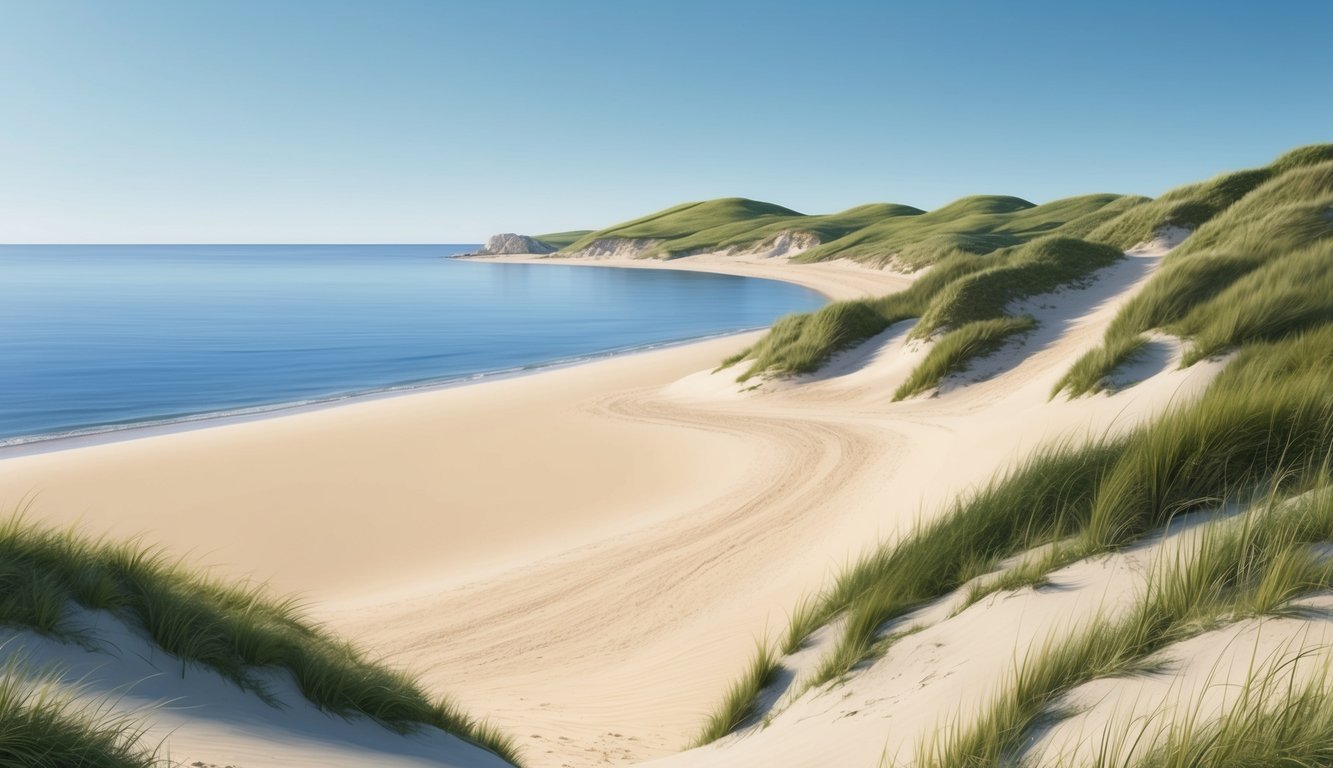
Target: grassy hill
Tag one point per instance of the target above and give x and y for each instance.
(559, 240)
(877, 233)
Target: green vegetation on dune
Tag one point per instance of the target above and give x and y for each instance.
(1266, 420)
(1257, 270)
(1184, 207)
(1277, 720)
(1276, 300)
(1038, 267)
(233, 630)
(43, 727)
(953, 352)
(800, 343)
(740, 703)
(1240, 568)
(967, 294)
(997, 249)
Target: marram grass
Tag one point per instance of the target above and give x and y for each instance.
(44, 724)
(739, 704)
(1267, 418)
(1258, 270)
(1253, 566)
(234, 630)
(952, 353)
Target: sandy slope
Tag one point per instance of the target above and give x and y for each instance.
(586, 554)
(195, 713)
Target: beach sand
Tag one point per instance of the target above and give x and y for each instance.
(586, 555)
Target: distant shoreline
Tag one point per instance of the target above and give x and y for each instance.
(30, 445)
(92, 435)
(811, 277)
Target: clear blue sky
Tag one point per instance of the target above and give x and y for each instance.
(395, 121)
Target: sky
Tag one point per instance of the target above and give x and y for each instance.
(437, 121)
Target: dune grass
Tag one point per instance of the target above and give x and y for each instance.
(1038, 267)
(801, 343)
(235, 630)
(740, 702)
(43, 725)
(1241, 568)
(1276, 720)
(961, 290)
(1185, 207)
(1284, 296)
(1032, 573)
(1046, 499)
(1237, 259)
(1270, 411)
(1091, 372)
(952, 353)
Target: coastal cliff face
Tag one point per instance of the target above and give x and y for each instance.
(509, 243)
(784, 245)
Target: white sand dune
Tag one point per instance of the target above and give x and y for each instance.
(193, 711)
(587, 554)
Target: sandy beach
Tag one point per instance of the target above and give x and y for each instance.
(587, 554)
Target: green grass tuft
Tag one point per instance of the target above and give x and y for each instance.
(740, 703)
(43, 725)
(1241, 568)
(233, 630)
(1276, 720)
(956, 349)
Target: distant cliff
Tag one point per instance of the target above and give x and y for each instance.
(510, 243)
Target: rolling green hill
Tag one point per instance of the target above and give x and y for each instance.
(1243, 220)
(559, 240)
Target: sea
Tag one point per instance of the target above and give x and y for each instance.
(99, 338)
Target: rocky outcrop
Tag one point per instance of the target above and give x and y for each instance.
(509, 243)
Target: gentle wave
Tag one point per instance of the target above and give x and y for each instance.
(210, 418)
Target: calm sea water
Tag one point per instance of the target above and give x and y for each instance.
(95, 337)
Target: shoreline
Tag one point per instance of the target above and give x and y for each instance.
(34, 445)
(83, 437)
(836, 280)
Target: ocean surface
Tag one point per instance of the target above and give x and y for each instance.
(98, 337)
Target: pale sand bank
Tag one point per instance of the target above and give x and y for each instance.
(837, 280)
(586, 554)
